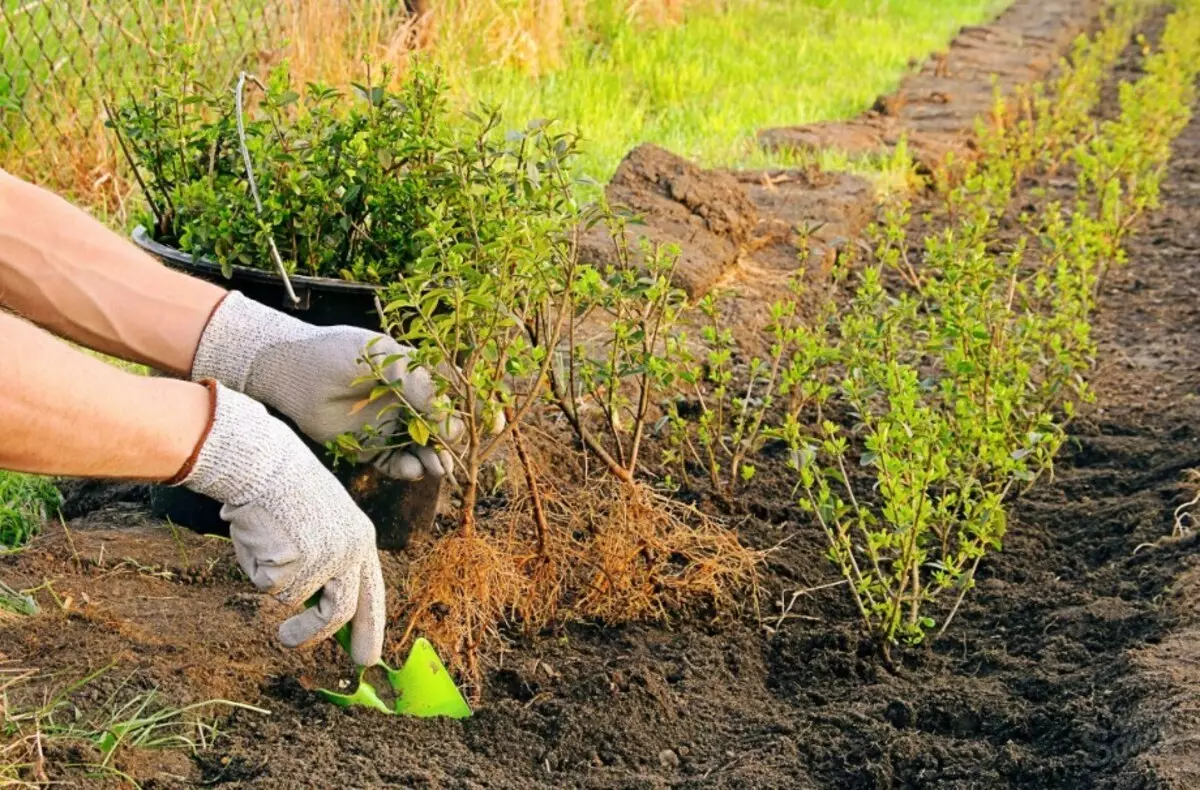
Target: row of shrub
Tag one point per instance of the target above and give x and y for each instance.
(962, 382)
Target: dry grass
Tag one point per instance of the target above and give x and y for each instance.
(329, 42)
(610, 553)
(111, 718)
(76, 158)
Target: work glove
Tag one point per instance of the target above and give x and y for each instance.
(295, 530)
(308, 373)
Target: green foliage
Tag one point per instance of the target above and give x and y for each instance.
(629, 365)
(910, 416)
(960, 386)
(345, 180)
(482, 300)
(734, 398)
(25, 502)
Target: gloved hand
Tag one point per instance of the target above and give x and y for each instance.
(308, 373)
(294, 528)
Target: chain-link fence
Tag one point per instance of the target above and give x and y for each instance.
(61, 59)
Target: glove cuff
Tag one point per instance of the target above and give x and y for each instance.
(237, 331)
(243, 450)
(186, 470)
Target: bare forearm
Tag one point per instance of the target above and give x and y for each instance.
(62, 269)
(65, 413)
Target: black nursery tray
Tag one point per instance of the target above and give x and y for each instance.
(324, 301)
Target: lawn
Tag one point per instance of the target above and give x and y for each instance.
(703, 87)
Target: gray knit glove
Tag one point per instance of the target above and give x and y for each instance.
(294, 528)
(308, 372)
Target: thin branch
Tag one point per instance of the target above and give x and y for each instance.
(241, 130)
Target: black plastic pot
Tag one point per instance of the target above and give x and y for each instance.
(323, 300)
(397, 508)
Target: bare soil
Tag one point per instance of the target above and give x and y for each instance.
(1073, 666)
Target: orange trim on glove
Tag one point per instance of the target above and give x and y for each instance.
(185, 471)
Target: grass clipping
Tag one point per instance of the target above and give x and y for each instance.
(604, 551)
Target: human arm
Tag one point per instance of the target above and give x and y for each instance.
(63, 270)
(294, 528)
(63, 412)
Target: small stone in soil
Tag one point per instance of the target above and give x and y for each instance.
(668, 758)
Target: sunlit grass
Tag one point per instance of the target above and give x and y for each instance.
(25, 502)
(124, 720)
(702, 88)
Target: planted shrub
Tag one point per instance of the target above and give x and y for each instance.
(961, 384)
(731, 402)
(497, 302)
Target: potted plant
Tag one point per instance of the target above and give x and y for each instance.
(310, 202)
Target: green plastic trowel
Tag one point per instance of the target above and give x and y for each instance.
(422, 686)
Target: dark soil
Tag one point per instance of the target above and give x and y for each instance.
(705, 213)
(1071, 667)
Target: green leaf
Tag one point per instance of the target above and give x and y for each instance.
(419, 431)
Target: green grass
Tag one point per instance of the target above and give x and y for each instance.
(124, 720)
(56, 43)
(704, 87)
(701, 88)
(25, 502)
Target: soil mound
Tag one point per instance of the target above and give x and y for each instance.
(706, 213)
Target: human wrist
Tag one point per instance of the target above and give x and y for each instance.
(190, 442)
(242, 451)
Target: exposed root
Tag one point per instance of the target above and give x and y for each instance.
(651, 556)
(460, 591)
(605, 552)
